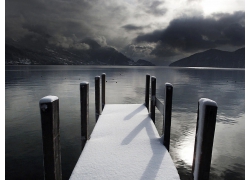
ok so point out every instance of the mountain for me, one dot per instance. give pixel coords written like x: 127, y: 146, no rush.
x: 46, y: 54
x: 214, y: 58
x: 142, y: 62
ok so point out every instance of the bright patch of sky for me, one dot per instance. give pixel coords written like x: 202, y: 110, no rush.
x: 222, y: 6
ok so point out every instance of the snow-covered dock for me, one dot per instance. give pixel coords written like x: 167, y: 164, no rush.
x: 125, y: 145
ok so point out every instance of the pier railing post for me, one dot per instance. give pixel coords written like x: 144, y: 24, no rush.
x: 84, y: 102
x: 97, y: 97
x: 167, y: 114
x: 49, y: 110
x: 206, y: 120
x: 103, y: 89
x: 153, y: 94
x: 147, y: 91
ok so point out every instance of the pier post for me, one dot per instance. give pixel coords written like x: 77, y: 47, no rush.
x: 49, y: 110
x: 97, y: 98
x: 153, y: 95
x: 147, y: 91
x: 103, y: 89
x: 206, y: 120
x: 84, y: 102
x: 167, y: 114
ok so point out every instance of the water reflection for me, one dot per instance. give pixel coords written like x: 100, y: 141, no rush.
x: 25, y: 85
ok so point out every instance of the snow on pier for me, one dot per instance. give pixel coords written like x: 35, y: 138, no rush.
x: 125, y: 145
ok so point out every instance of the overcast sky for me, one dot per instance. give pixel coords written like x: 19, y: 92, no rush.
x: 160, y: 30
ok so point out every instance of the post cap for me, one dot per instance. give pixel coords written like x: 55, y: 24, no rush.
x: 153, y: 78
x: 48, y: 99
x: 207, y: 102
x: 84, y: 83
x: 168, y: 84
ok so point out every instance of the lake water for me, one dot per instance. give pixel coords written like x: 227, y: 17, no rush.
x: 26, y: 85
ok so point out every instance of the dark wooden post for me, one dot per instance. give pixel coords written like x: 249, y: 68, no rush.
x: 103, y: 89
x: 97, y: 98
x: 49, y: 110
x: 167, y: 114
x: 206, y: 120
x: 147, y: 91
x: 153, y: 94
x: 84, y: 102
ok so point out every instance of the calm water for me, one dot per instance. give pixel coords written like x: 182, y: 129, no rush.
x: 26, y: 85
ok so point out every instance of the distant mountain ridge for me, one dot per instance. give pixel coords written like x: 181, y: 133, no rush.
x: 47, y: 54
x: 142, y: 62
x: 214, y: 58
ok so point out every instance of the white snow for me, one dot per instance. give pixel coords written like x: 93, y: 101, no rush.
x: 203, y: 102
x: 124, y: 145
x: 48, y: 99
x: 168, y: 84
x: 84, y: 82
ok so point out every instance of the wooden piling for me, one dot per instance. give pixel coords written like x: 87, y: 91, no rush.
x: 49, y: 110
x: 147, y: 91
x: 103, y: 89
x: 167, y: 114
x: 84, y: 102
x: 97, y: 98
x: 206, y: 120
x: 153, y: 96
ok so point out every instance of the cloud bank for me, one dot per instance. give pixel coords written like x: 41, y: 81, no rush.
x: 149, y: 29
x: 191, y: 34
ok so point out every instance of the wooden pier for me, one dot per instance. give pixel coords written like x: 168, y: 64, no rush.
x: 125, y: 143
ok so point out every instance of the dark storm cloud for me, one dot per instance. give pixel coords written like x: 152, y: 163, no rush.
x: 131, y: 27
x: 143, y: 47
x: 155, y: 9
x: 52, y: 17
x: 65, y: 23
x: 37, y: 29
x: 235, y: 34
x: 68, y: 21
x: 197, y: 33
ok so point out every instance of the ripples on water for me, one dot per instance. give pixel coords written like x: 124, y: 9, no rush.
x: 26, y: 85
